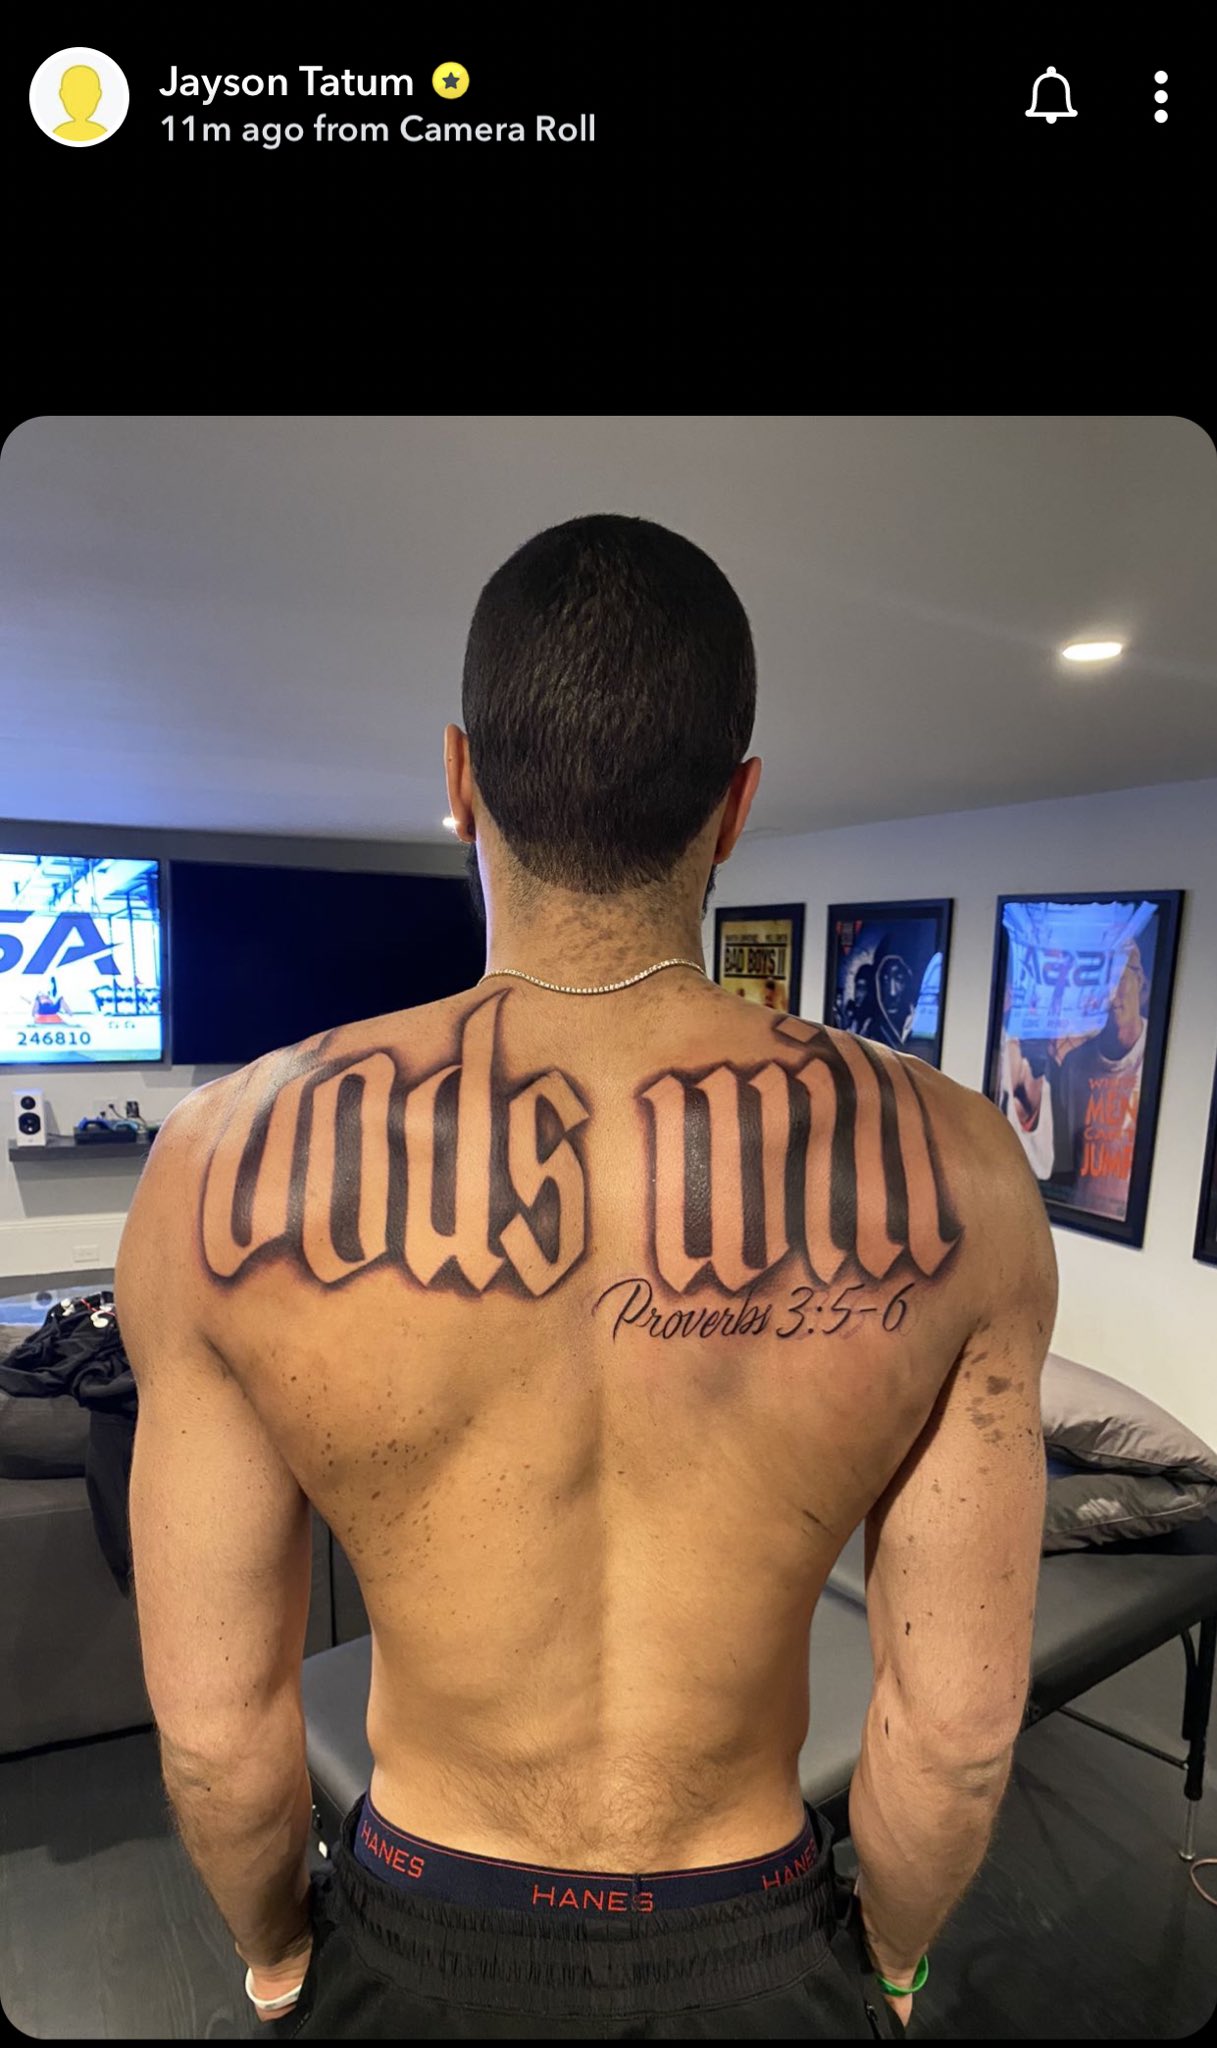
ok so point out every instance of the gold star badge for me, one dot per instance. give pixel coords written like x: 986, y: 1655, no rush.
x: 450, y: 81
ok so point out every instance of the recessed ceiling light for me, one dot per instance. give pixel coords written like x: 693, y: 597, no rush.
x: 451, y: 824
x: 1092, y: 650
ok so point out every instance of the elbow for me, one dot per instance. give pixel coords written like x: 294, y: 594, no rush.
x: 208, y: 1752
x: 972, y: 1751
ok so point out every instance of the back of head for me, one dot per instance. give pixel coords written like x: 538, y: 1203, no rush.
x: 609, y: 693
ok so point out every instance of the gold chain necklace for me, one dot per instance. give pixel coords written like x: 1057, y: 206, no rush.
x: 606, y: 990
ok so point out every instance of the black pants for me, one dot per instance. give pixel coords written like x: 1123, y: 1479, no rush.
x: 784, y: 1964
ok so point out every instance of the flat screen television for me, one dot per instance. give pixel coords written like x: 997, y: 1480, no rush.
x: 263, y: 956
x: 80, y: 961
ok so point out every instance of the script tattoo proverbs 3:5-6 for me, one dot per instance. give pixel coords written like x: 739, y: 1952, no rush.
x: 464, y: 1178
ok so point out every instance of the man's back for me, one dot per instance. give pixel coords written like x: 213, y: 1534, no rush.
x: 594, y: 1309
x: 594, y: 1328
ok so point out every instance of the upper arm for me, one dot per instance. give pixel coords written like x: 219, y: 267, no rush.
x: 953, y: 1546
x: 220, y: 1529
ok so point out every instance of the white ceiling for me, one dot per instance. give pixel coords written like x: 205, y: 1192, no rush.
x: 258, y: 624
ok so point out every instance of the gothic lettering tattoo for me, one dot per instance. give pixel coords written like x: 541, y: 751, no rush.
x: 829, y: 1167
x: 819, y: 1172
x: 457, y: 1178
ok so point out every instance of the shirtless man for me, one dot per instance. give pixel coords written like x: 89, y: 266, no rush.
x: 593, y: 1324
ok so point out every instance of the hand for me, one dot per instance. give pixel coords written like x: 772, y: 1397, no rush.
x: 902, y: 2007
x: 275, y: 1980
x: 1028, y: 1093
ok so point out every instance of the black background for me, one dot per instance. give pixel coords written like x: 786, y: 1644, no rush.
x: 412, y: 260
x: 781, y: 208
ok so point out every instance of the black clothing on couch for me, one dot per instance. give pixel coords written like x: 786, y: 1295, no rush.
x: 79, y: 1351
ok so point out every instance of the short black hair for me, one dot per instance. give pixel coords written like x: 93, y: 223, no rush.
x: 609, y: 692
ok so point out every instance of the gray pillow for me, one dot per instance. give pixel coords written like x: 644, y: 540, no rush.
x: 1134, y: 1469
x: 41, y: 1436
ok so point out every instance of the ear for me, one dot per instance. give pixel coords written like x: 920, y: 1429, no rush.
x: 458, y: 774
x: 744, y: 785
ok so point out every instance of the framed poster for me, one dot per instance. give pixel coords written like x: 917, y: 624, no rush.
x: 885, y: 973
x: 758, y: 954
x: 1206, y: 1221
x: 1078, y: 1018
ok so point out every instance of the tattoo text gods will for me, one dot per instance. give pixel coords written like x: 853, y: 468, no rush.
x: 819, y: 1167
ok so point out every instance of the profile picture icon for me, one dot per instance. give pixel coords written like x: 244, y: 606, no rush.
x: 79, y: 97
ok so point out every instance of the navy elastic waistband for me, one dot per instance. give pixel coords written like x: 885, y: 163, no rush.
x: 412, y: 1864
x: 585, y: 1964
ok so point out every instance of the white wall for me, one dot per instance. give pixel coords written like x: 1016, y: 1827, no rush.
x: 1148, y: 1317
x: 63, y: 1215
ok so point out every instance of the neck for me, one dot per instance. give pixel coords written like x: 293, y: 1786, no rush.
x: 575, y: 940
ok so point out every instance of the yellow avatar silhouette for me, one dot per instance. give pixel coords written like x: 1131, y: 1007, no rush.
x: 80, y: 91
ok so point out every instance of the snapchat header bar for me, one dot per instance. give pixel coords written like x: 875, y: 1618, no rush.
x: 80, y: 98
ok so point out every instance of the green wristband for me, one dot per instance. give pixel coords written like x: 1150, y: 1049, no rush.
x: 906, y: 1990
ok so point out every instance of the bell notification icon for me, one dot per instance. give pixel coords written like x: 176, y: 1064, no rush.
x: 1050, y: 97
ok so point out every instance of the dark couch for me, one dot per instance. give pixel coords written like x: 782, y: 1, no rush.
x: 69, y: 1643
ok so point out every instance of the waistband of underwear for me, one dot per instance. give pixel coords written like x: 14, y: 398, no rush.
x: 411, y: 1863
x: 558, y: 1962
